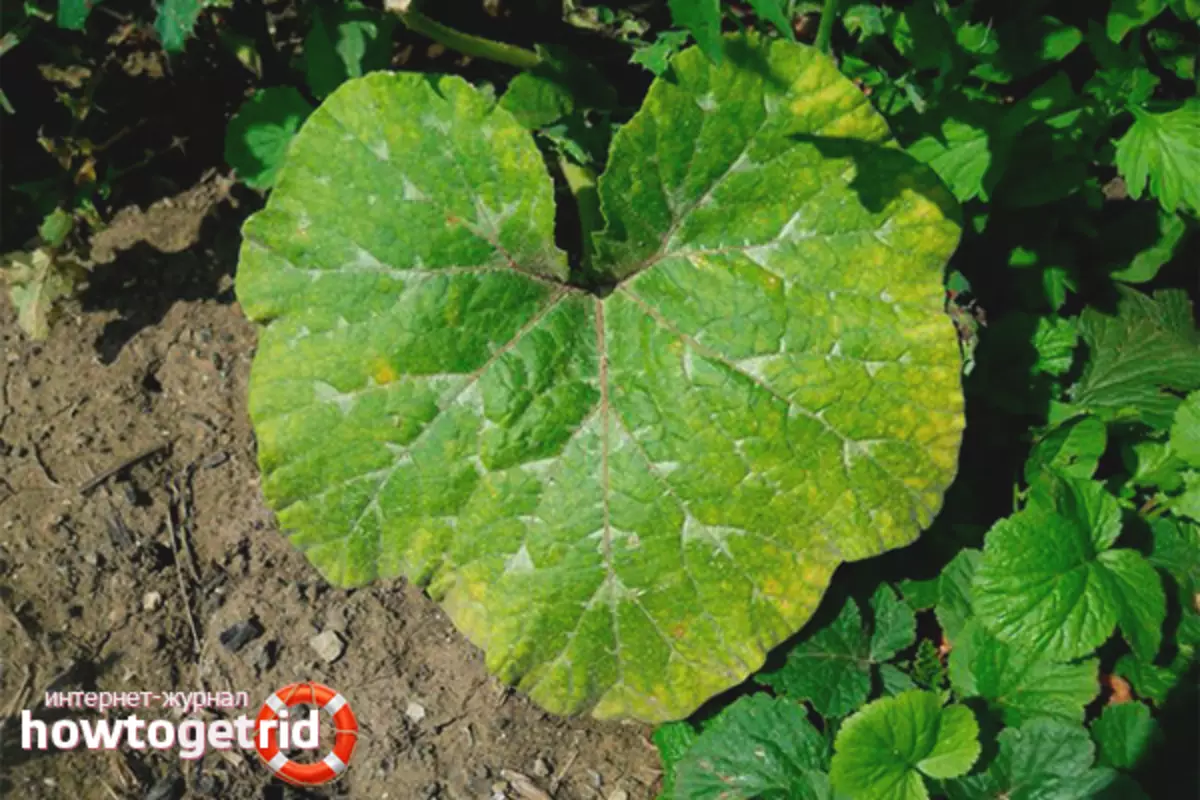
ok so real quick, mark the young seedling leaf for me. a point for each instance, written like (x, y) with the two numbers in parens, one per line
(175, 21)
(1072, 449)
(761, 747)
(346, 40)
(73, 14)
(673, 741)
(38, 281)
(258, 135)
(1152, 681)
(1042, 759)
(1020, 683)
(656, 55)
(626, 496)
(701, 18)
(555, 88)
(1124, 734)
(1140, 358)
(882, 751)
(1128, 15)
(1050, 581)
(832, 668)
(1164, 149)
(1185, 430)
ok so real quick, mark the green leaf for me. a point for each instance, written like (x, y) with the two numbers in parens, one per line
(949, 592)
(656, 55)
(1153, 464)
(772, 12)
(345, 41)
(1020, 683)
(1185, 430)
(1175, 51)
(38, 281)
(882, 751)
(1124, 733)
(626, 497)
(928, 672)
(865, 20)
(832, 668)
(1029, 45)
(1164, 149)
(56, 227)
(1152, 681)
(701, 18)
(1042, 759)
(673, 741)
(73, 14)
(894, 680)
(175, 21)
(1188, 503)
(258, 135)
(1127, 15)
(1185, 9)
(1177, 550)
(966, 150)
(761, 747)
(1049, 582)
(895, 625)
(1139, 357)
(1145, 264)
(1072, 449)
(556, 88)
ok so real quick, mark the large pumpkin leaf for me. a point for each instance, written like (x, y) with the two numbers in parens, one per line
(625, 497)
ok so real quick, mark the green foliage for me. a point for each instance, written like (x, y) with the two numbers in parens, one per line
(556, 88)
(1141, 357)
(1019, 683)
(176, 20)
(628, 504)
(1050, 580)
(258, 136)
(1123, 735)
(832, 669)
(1039, 759)
(1164, 149)
(621, 538)
(73, 14)
(346, 40)
(702, 19)
(884, 750)
(758, 748)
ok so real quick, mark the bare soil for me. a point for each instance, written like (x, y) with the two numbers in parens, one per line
(133, 534)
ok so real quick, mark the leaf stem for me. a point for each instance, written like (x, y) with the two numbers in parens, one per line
(464, 43)
(825, 29)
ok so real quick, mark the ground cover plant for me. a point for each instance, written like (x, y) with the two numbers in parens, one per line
(818, 382)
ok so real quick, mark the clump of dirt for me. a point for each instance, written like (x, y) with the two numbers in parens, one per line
(136, 554)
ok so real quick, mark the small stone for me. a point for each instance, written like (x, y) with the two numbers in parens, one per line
(151, 601)
(619, 794)
(415, 711)
(542, 768)
(328, 645)
(239, 634)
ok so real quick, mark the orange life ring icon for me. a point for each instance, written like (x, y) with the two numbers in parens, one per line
(344, 723)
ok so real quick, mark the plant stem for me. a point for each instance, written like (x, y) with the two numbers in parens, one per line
(467, 44)
(825, 30)
(582, 183)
